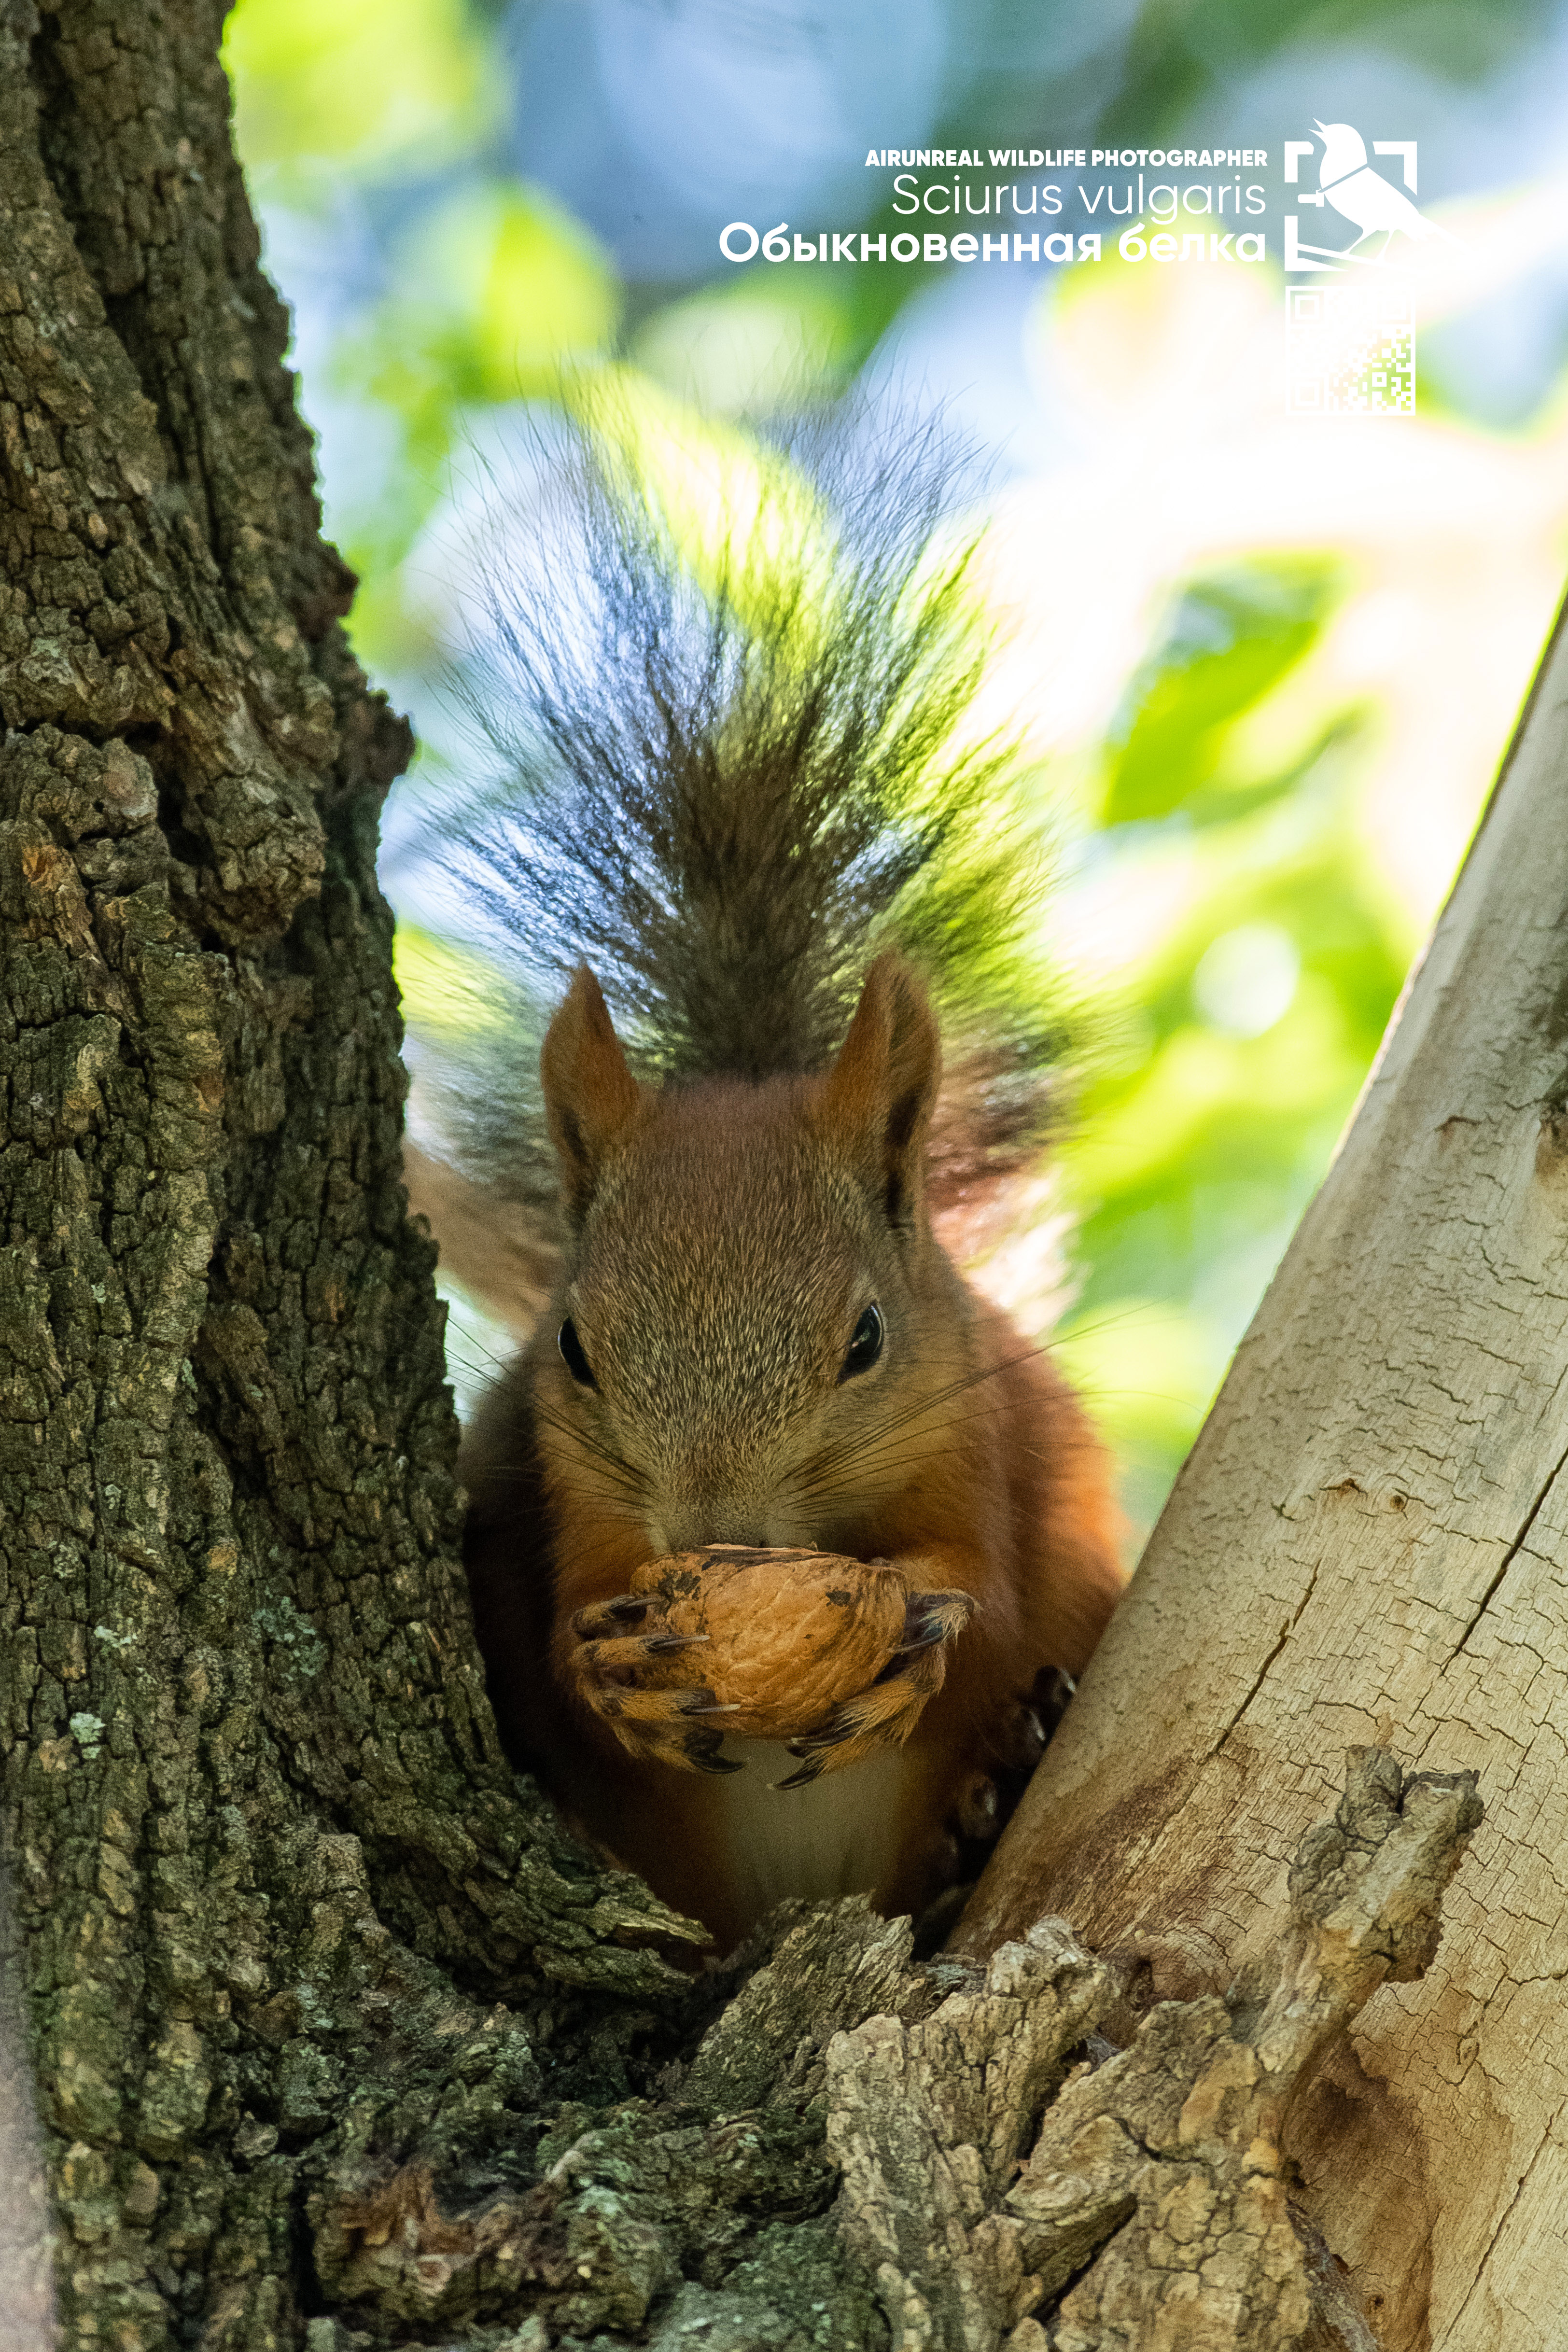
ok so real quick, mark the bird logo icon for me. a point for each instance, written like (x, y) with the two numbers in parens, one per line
(1352, 187)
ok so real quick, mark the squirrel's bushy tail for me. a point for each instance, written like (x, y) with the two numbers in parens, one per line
(726, 706)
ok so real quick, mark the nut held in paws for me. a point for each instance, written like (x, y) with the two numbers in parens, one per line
(769, 1643)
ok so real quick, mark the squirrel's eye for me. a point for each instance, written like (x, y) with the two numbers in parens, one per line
(570, 1348)
(865, 1346)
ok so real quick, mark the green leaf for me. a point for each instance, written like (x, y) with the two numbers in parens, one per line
(1230, 640)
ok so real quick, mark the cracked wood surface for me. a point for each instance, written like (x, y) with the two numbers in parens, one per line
(1370, 1541)
(943, 2157)
(1154, 2210)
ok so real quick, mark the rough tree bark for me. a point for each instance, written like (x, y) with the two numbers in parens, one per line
(1371, 1540)
(338, 2040)
(249, 1778)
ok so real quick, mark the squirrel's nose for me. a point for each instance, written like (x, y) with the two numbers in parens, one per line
(691, 1526)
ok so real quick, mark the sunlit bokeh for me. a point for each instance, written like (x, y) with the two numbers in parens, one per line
(1266, 664)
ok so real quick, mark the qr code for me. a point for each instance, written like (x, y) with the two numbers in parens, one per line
(1350, 350)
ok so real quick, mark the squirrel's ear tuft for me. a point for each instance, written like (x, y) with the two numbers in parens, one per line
(591, 1097)
(878, 1097)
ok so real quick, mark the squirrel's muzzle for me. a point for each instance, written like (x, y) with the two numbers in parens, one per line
(694, 1525)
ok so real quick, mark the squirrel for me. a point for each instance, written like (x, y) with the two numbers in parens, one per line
(733, 785)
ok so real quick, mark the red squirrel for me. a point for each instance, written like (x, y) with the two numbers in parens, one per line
(755, 1337)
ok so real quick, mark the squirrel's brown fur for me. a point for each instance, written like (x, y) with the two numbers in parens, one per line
(719, 810)
(726, 1239)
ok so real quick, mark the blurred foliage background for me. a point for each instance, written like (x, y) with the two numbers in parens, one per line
(1267, 666)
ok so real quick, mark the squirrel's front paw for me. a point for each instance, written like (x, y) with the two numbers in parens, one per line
(629, 1668)
(883, 1715)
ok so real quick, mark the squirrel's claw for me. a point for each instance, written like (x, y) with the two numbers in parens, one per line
(885, 1715)
(604, 1616)
(701, 1751)
(702, 1702)
(930, 1620)
(615, 1672)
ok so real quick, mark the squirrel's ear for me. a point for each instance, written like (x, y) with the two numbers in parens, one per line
(878, 1096)
(591, 1098)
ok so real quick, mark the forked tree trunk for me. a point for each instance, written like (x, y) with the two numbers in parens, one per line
(336, 2038)
(1370, 1541)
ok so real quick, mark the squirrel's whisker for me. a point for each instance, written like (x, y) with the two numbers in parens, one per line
(853, 1447)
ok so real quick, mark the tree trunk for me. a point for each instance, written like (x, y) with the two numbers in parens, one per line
(1370, 1540)
(250, 1786)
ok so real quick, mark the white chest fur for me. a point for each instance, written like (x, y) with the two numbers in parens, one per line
(837, 1835)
